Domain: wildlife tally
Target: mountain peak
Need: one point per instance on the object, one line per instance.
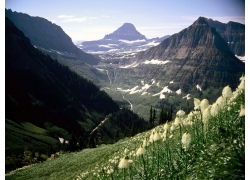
(126, 32)
(200, 21)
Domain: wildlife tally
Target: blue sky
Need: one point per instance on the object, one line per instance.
(92, 20)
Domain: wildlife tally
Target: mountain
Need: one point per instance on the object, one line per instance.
(45, 100)
(126, 32)
(126, 39)
(233, 33)
(49, 37)
(194, 63)
(199, 55)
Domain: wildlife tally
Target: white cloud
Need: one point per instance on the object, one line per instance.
(72, 18)
(65, 16)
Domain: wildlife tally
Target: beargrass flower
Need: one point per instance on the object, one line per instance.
(186, 140)
(151, 137)
(242, 110)
(156, 136)
(173, 127)
(140, 151)
(227, 92)
(204, 104)
(145, 143)
(206, 115)
(126, 151)
(180, 113)
(166, 126)
(214, 109)
(197, 103)
(110, 171)
(177, 120)
(242, 83)
(124, 163)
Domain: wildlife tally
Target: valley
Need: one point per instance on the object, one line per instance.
(76, 111)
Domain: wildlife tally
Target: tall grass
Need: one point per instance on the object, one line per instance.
(208, 143)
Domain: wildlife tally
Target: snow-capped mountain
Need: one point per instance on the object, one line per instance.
(125, 39)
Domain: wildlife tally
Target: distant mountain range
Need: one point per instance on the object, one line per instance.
(49, 37)
(125, 38)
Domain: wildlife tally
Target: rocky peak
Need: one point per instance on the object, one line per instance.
(126, 32)
(200, 21)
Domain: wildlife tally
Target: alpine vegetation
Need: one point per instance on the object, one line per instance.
(207, 143)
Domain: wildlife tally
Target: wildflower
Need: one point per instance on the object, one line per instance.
(124, 162)
(197, 103)
(151, 137)
(227, 92)
(172, 128)
(170, 136)
(221, 101)
(110, 171)
(125, 151)
(214, 110)
(242, 110)
(206, 115)
(186, 140)
(177, 120)
(145, 143)
(156, 136)
(204, 104)
(141, 151)
(166, 126)
(242, 83)
(180, 113)
(190, 116)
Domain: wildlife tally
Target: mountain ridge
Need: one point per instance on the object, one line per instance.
(48, 36)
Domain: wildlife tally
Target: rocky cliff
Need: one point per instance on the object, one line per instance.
(233, 33)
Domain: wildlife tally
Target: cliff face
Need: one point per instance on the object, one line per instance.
(233, 33)
(46, 35)
(197, 55)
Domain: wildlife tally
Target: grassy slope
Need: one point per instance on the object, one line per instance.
(215, 153)
(17, 136)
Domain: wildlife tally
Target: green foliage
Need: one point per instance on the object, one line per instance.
(216, 151)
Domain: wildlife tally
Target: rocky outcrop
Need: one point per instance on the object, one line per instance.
(47, 35)
(126, 32)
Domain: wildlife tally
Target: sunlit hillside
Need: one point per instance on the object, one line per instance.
(207, 143)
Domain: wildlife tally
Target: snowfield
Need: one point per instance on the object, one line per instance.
(155, 61)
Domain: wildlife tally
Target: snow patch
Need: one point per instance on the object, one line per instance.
(178, 91)
(131, 42)
(142, 83)
(164, 90)
(134, 64)
(198, 87)
(155, 61)
(242, 58)
(171, 82)
(187, 96)
(100, 69)
(144, 93)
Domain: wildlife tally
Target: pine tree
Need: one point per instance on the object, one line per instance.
(151, 118)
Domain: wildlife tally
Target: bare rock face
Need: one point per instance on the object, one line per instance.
(233, 33)
(198, 55)
(126, 32)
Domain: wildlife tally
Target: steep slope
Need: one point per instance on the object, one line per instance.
(199, 55)
(48, 36)
(44, 92)
(233, 33)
